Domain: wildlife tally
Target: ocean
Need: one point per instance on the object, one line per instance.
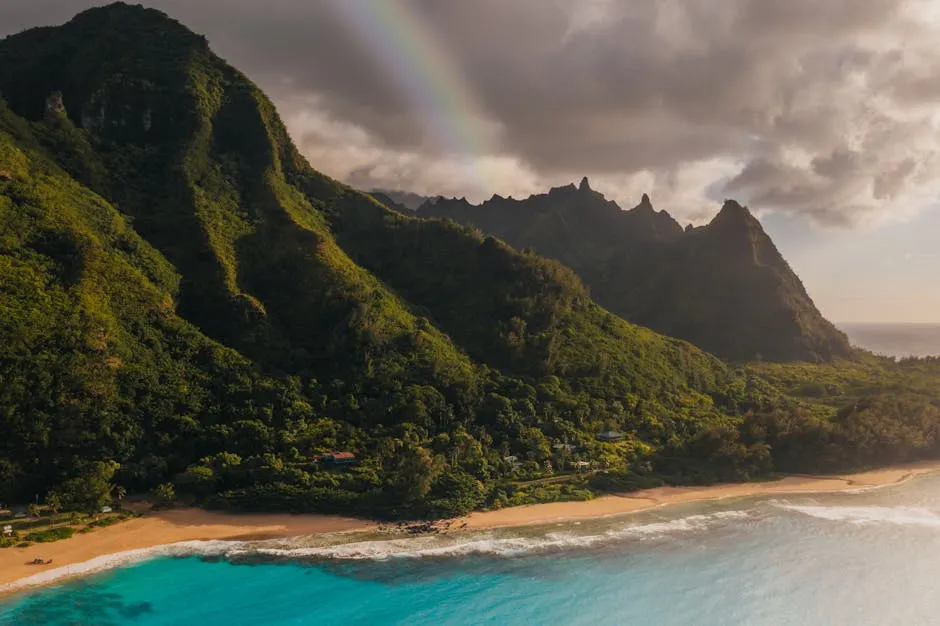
(870, 557)
(898, 340)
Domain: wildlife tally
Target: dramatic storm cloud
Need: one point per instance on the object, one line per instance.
(823, 109)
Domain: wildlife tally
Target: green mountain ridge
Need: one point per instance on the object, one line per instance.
(723, 286)
(183, 294)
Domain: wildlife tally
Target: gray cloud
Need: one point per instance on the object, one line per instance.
(823, 109)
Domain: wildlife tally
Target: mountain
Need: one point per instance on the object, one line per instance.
(187, 306)
(185, 295)
(724, 286)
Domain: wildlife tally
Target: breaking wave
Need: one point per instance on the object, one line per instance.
(501, 543)
(494, 543)
(124, 559)
(864, 515)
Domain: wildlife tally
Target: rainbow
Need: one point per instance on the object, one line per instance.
(421, 69)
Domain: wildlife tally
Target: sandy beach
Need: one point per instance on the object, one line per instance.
(663, 496)
(165, 527)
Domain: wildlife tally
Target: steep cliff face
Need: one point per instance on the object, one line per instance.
(724, 286)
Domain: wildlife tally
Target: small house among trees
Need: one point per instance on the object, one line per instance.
(610, 436)
(336, 458)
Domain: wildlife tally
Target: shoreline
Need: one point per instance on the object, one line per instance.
(154, 530)
(647, 499)
(135, 537)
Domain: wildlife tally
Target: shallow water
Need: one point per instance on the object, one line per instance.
(863, 558)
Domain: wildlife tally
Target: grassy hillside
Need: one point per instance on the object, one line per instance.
(189, 307)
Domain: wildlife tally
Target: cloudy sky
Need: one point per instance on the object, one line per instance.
(823, 117)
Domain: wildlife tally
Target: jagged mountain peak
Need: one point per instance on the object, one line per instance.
(734, 212)
(737, 232)
(645, 205)
(641, 264)
(562, 190)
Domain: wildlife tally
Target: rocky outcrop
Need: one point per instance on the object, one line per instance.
(55, 104)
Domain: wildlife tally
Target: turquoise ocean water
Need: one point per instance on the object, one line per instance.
(860, 558)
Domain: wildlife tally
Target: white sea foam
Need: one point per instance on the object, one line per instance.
(864, 515)
(124, 559)
(492, 543)
(503, 543)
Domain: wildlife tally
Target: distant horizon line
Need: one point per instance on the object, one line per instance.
(934, 323)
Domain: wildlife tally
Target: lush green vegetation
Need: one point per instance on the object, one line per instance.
(46, 524)
(51, 534)
(863, 413)
(189, 309)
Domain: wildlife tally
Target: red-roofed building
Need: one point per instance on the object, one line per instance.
(336, 457)
(340, 458)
